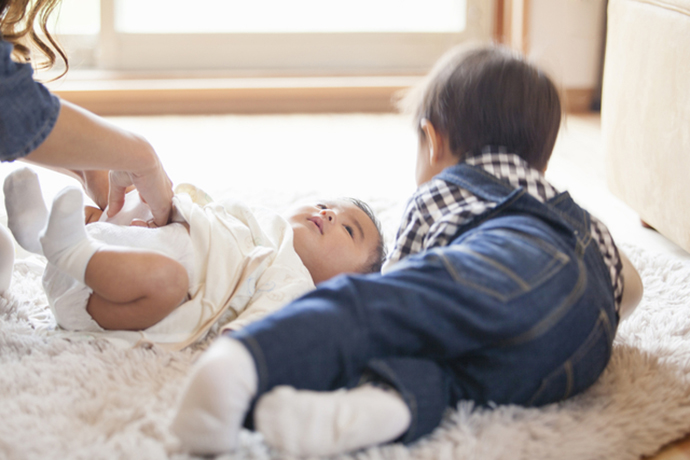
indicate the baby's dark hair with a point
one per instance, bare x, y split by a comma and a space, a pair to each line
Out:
490, 96
375, 262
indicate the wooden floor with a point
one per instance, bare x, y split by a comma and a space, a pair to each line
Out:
679, 450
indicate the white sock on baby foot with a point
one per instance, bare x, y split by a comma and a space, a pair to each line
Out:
64, 241
216, 399
27, 214
310, 423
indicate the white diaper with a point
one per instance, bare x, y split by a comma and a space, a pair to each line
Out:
68, 297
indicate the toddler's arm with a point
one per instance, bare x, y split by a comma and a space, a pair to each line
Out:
632, 288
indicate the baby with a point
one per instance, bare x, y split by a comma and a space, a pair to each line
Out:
170, 285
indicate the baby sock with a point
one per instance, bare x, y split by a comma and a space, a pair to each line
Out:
216, 399
308, 423
27, 214
64, 241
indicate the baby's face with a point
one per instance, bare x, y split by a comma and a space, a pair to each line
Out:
333, 237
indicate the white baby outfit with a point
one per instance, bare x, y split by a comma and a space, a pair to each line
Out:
241, 263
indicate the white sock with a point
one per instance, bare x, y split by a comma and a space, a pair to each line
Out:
64, 241
216, 399
310, 423
27, 214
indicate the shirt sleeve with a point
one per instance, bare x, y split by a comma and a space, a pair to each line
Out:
410, 236
609, 252
28, 111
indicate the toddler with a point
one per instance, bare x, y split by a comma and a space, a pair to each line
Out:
217, 263
500, 290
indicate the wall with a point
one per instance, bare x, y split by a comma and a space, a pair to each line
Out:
566, 38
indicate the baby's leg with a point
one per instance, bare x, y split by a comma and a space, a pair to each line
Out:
27, 214
132, 288
330, 422
64, 241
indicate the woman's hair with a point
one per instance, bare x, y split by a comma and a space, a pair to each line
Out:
490, 96
18, 19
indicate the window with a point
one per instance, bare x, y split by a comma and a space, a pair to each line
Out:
282, 37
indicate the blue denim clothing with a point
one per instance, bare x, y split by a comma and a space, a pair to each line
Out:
28, 111
518, 309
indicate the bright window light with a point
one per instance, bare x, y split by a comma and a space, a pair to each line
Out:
77, 17
293, 16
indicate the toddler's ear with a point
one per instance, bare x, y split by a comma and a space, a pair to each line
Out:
430, 138
439, 145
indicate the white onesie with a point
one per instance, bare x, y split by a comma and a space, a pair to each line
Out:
241, 264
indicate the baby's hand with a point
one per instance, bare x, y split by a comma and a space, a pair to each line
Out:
143, 223
92, 214
151, 224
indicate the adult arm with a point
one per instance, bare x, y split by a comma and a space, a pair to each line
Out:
87, 145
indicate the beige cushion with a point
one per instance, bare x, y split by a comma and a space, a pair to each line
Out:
646, 111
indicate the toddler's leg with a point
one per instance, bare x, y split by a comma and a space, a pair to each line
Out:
310, 423
65, 242
216, 399
27, 214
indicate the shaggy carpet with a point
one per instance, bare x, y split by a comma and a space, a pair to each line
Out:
66, 397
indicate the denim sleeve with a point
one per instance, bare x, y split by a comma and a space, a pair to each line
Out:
28, 111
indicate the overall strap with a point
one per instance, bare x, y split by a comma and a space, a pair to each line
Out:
477, 181
560, 210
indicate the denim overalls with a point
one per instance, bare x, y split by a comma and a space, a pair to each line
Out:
519, 308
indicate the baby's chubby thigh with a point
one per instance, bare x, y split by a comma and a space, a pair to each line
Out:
68, 297
171, 240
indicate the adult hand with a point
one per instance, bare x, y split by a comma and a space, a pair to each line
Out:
154, 186
95, 185
81, 142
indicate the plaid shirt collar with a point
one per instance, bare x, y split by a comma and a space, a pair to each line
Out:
511, 168
438, 209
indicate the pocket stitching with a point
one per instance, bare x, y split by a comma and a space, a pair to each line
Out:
568, 366
558, 261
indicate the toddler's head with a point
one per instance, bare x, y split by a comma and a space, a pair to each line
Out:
490, 96
337, 236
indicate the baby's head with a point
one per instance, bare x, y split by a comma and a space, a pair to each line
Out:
337, 236
489, 96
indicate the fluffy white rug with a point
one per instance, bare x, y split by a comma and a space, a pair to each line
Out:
68, 398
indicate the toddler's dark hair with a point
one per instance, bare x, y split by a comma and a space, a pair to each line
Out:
375, 262
491, 96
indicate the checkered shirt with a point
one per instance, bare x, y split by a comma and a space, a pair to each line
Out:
438, 208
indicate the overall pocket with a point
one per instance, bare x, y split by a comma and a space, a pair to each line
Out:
502, 263
581, 369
